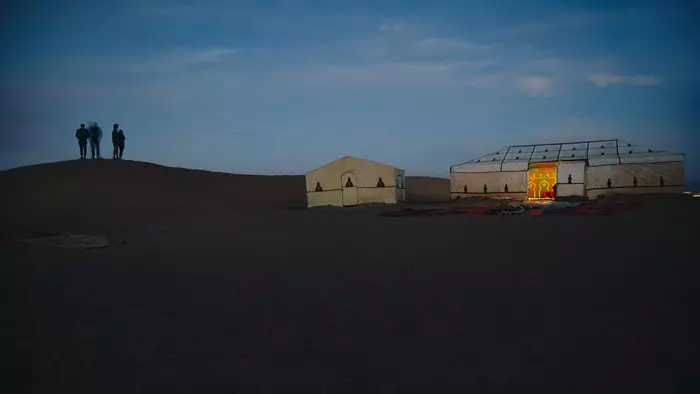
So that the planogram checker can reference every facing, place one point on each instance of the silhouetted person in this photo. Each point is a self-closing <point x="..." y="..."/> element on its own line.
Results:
<point x="95" y="137"/>
<point x="82" y="135"/>
<point x="115" y="132"/>
<point x="120" y="143"/>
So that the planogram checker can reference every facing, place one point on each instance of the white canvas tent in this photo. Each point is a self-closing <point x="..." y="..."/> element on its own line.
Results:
<point x="588" y="168"/>
<point x="350" y="181"/>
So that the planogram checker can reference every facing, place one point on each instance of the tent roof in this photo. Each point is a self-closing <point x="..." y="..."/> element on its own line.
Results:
<point x="599" y="151"/>
<point x="355" y="158"/>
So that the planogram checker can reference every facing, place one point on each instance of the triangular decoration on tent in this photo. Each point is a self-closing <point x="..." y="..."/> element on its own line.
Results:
<point x="380" y="182"/>
<point x="349" y="183"/>
<point x="318" y="187"/>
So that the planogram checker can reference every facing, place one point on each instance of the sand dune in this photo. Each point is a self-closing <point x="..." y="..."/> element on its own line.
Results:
<point x="127" y="182"/>
<point x="220" y="288"/>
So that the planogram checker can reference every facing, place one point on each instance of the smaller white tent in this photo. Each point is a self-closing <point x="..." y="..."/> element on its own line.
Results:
<point x="351" y="181"/>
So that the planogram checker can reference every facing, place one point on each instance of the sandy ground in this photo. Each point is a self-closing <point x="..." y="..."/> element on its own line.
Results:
<point x="224" y="286"/>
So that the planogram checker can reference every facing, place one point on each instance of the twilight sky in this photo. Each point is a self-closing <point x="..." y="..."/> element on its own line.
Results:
<point x="286" y="86"/>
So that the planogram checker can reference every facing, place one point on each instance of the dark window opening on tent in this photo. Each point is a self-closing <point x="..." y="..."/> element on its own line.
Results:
<point x="349" y="183"/>
<point x="634" y="181"/>
<point x="544" y="157"/>
<point x="661" y="181"/>
<point x="465" y="188"/>
<point x="569" y="179"/>
<point x="630" y="152"/>
<point x="493" y="159"/>
<point x="602" y="153"/>
<point x="574" y="148"/>
<point x="506" y="188"/>
<point x="517" y="157"/>
<point x="478" y="161"/>
<point x="573" y="155"/>
<point x="486" y="189"/>
<point x="520" y="151"/>
<point x="609" y="183"/>
<point x="602" y="147"/>
<point x="629" y="144"/>
<point x="649" y="150"/>
<point x="546" y="150"/>
<point x="318" y="187"/>
<point x="380" y="182"/>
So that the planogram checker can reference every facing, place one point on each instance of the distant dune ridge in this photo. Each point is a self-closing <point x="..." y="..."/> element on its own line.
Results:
<point x="146" y="185"/>
<point x="134" y="181"/>
<point x="129" y="187"/>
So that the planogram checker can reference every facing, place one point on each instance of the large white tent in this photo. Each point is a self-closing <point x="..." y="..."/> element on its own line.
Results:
<point x="351" y="181"/>
<point x="587" y="169"/>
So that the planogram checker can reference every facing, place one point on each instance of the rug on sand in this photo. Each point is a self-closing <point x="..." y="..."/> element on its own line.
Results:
<point x="68" y="240"/>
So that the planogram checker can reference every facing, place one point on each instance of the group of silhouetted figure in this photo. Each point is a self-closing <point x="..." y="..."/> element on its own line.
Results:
<point x="93" y="135"/>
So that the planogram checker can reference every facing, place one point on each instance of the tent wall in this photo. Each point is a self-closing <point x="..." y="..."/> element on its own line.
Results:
<point x="365" y="176"/>
<point x="648" y="178"/>
<point x="385" y="195"/>
<point x="331" y="197"/>
<point x="577" y="171"/>
<point x="495" y="183"/>
<point x="400" y="183"/>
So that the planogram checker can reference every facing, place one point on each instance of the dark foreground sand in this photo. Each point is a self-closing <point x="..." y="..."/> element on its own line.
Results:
<point x="223" y="287"/>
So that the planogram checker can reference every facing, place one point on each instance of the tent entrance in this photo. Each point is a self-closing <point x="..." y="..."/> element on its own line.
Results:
<point x="541" y="178"/>
<point x="349" y="189"/>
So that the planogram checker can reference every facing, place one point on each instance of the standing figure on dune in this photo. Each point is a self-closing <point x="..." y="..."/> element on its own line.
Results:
<point x="120" y="143"/>
<point x="82" y="135"/>
<point x="95" y="137"/>
<point x="115" y="133"/>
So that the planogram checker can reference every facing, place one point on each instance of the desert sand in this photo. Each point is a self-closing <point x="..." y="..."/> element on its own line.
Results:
<point x="226" y="284"/>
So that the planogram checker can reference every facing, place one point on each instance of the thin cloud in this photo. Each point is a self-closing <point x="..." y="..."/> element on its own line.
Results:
<point x="566" y="22"/>
<point x="389" y="26"/>
<point x="450" y="45"/>
<point x="535" y="86"/>
<point x="209" y="55"/>
<point x="176" y="60"/>
<point x="388" y="72"/>
<point x="603" y="80"/>
<point x="483" y="80"/>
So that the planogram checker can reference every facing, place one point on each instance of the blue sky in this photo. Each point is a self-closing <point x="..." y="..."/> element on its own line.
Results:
<point x="285" y="86"/>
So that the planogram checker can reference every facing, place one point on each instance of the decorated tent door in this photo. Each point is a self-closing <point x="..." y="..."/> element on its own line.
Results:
<point x="541" y="178"/>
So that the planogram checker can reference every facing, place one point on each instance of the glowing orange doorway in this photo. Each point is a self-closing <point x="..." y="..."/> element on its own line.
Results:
<point x="541" y="178"/>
